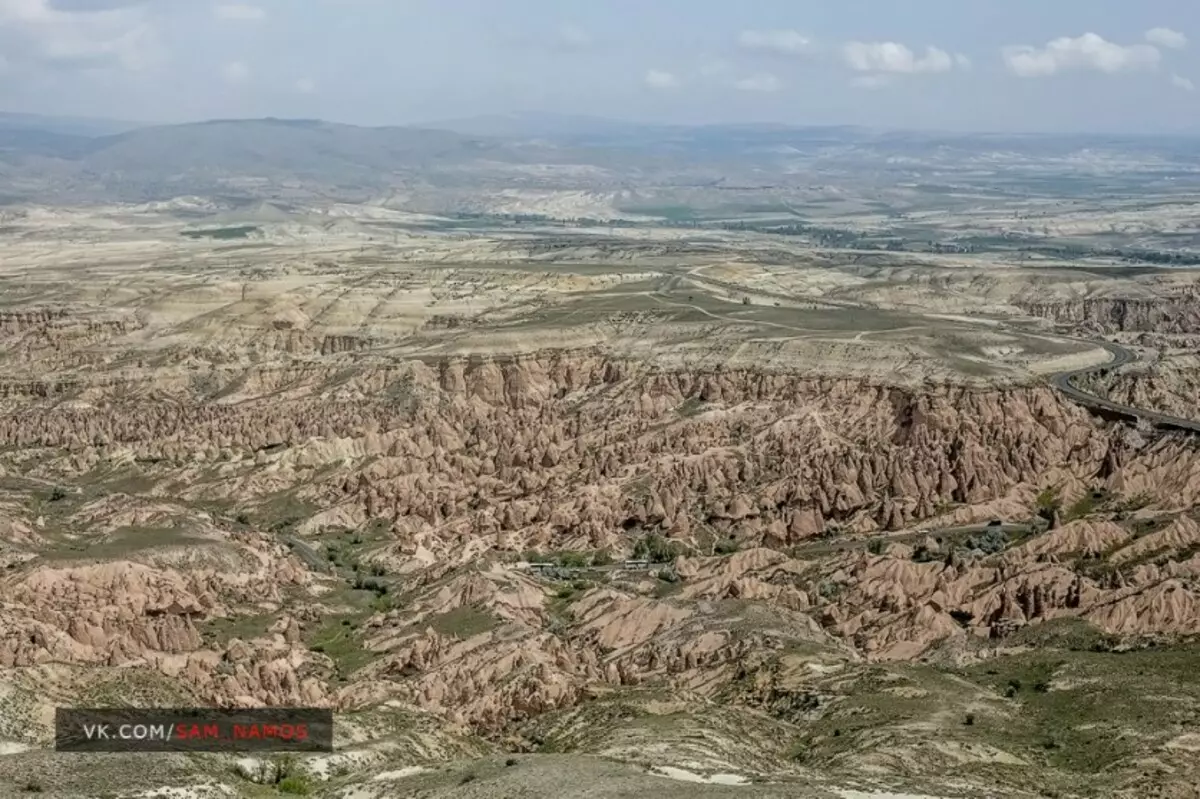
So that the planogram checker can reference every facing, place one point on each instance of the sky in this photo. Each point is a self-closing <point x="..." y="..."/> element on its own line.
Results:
<point x="972" y="65"/>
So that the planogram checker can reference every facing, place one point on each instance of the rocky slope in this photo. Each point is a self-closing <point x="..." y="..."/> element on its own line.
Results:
<point x="309" y="535"/>
<point x="1177" y="311"/>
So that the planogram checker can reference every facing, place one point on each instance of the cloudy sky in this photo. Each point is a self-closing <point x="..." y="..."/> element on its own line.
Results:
<point x="1037" y="65"/>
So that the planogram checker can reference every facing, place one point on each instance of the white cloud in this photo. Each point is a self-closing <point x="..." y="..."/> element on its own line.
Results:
<point x="1180" y="82"/>
<point x="658" y="79"/>
<point x="759" y="82"/>
<point x="239" y="12"/>
<point x="37" y="33"/>
<point x="896" y="58"/>
<point x="779" y="42"/>
<point x="1165" y="37"/>
<point x="306" y="85"/>
<point x="1086" y="52"/>
<point x="961" y="61"/>
<point x="235" y="72"/>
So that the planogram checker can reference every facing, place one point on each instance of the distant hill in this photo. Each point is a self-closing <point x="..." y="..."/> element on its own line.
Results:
<point x="306" y="149"/>
<point x="86" y="160"/>
<point x="69" y="126"/>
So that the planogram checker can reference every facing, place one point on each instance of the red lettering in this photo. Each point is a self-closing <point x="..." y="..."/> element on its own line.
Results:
<point x="241" y="732"/>
<point x="196" y="731"/>
<point x="247" y="731"/>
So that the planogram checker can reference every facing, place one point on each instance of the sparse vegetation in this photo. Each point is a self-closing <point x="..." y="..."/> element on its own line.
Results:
<point x="222" y="233"/>
<point x="464" y="622"/>
<point x="1049" y="503"/>
<point x="989" y="542"/>
<point x="295" y="785"/>
<point x="726" y="546"/>
<point x="656" y="549"/>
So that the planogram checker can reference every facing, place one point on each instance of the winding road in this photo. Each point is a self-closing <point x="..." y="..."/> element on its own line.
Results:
<point x="1063" y="381"/>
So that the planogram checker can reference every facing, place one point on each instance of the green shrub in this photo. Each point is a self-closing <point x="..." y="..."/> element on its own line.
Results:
<point x="573" y="560"/>
<point x="296" y="785"/>
<point x="1048" y="503"/>
<point x="656" y="549"/>
<point x="1084" y="506"/>
<point x="989" y="542"/>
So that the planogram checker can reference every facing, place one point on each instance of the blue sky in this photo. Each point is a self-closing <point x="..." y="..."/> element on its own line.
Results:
<point x="1053" y="65"/>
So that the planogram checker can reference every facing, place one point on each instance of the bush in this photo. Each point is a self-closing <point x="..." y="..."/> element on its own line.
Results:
<point x="573" y="560"/>
<point x="371" y="584"/>
<point x="969" y="720"/>
<point x="512" y="761"/>
<point x="32" y="787"/>
<point x="601" y="557"/>
<point x="1085" y="506"/>
<point x="296" y="785"/>
<point x="656" y="549"/>
<point x="989" y="542"/>
<point x="59" y="493"/>
<point x="922" y="554"/>
<point x="1048" y="503"/>
<point x="875" y="546"/>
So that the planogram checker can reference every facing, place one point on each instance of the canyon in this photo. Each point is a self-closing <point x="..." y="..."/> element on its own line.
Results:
<point x="525" y="501"/>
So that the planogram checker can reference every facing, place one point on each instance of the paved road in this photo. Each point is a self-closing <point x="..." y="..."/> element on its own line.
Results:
<point x="1121" y="356"/>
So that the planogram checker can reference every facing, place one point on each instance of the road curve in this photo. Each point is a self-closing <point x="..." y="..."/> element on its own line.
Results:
<point x="1121" y="356"/>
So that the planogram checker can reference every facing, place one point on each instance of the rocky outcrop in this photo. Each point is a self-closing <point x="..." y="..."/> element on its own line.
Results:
<point x="451" y="467"/>
<point x="1177" y="313"/>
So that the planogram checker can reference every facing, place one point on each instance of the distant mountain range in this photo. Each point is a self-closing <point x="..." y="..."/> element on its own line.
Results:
<point x="82" y="160"/>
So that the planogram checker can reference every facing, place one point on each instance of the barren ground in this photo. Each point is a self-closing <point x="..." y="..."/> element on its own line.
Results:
<point x="396" y="465"/>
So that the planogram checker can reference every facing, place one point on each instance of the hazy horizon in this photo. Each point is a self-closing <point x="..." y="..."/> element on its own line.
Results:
<point x="532" y="117"/>
<point x="1077" y="67"/>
